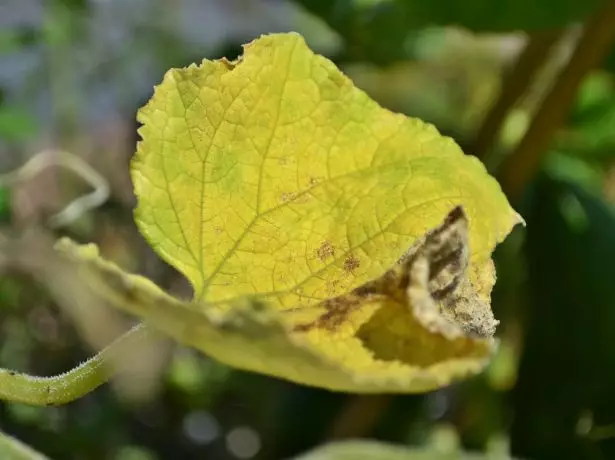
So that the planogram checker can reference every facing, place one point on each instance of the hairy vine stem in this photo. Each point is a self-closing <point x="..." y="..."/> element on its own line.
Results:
<point x="29" y="251"/>
<point x="13" y="449"/>
<point x="71" y="385"/>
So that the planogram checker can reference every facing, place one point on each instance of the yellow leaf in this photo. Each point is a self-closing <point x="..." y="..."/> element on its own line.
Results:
<point x="250" y="335"/>
<point x="274" y="176"/>
<point x="397" y="333"/>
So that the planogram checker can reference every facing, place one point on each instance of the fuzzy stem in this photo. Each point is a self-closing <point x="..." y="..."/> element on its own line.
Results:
<point x="71" y="385"/>
<point x="13" y="449"/>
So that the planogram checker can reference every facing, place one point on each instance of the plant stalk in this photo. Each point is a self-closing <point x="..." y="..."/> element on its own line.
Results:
<point x="596" y="41"/>
<point x="516" y="83"/>
<point x="71" y="385"/>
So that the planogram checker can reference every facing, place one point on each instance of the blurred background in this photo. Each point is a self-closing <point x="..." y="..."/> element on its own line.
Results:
<point x="526" y="86"/>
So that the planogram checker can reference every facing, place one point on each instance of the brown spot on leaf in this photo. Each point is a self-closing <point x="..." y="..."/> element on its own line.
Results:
<point x="325" y="250"/>
<point x="351" y="263"/>
<point x="367" y="289"/>
<point x="287" y="196"/>
<point x="338" y="309"/>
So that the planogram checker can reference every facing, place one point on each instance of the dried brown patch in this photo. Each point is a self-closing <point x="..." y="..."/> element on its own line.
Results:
<point x="337" y="312"/>
<point x="351" y="263"/>
<point x="325" y="250"/>
<point x="431" y="279"/>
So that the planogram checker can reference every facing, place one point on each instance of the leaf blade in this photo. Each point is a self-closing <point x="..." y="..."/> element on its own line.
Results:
<point x="255" y="337"/>
<point x="368" y="179"/>
<point x="275" y="177"/>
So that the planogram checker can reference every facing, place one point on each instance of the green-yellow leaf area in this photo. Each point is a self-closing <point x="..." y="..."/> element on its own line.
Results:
<point x="275" y="176"/>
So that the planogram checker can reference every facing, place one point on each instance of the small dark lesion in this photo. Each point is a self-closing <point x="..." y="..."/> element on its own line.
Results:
<point x="366" y="290"/>
<point x="337" y="308"/>
<point x="325" y="250"/>
<point x="351" y="263"/>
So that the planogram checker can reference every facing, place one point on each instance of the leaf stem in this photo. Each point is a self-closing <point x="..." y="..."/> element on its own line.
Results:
<point x="596" y="41"/>
<point x="71" y="385"/>
<point x="64" y="159"/>
<point x="515" y="85"/>
<point x="13" y="449"/>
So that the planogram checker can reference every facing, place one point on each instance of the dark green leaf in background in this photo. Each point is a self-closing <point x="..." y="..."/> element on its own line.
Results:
<point x="500" y="15"/>
<point x="567" y="373"/>
<point x="382" y="31"/>
<point x="5" y="205"/>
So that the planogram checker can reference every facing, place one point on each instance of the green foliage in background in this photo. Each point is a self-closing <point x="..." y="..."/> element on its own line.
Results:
<point x="383" y="31"/>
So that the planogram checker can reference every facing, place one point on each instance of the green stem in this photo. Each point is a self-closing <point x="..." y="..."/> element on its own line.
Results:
<point x="13" y="449"/>
<point x="71" y="385"/>
<point x="515" y="85"/>
<point x="47" y="158"/>
<point x="518" y="169"/>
